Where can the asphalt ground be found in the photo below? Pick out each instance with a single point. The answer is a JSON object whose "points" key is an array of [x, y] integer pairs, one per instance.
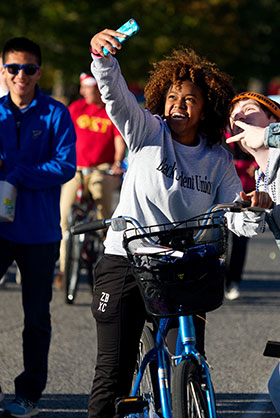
{"points": [[235, 340]]}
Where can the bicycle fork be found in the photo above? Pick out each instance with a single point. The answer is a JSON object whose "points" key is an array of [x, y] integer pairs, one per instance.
{"points": [[186, 345]]}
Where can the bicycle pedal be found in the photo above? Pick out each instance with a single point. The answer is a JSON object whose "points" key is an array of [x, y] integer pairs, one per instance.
{"points": [[130, 404]]}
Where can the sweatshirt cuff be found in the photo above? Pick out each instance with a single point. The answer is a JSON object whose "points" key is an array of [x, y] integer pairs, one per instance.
{"points": [[272, 139], [93, 53], [265, 139]]}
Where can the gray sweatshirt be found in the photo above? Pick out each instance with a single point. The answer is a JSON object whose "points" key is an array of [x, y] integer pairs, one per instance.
{"points": [[272, 136], [166, 181]]}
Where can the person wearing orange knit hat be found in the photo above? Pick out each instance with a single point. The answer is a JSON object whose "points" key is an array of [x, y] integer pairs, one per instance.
{"points": [[258, 136], [250, 114], [254, 122]]}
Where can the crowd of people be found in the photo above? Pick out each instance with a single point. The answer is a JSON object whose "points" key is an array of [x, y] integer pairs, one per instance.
{"points": [[174, 147]]}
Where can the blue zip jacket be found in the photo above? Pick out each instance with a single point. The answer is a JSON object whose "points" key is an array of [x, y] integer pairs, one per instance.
{"points": [[39, 155]]}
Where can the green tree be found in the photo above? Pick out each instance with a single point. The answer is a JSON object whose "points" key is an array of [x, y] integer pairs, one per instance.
{"points": [[241, 36]]}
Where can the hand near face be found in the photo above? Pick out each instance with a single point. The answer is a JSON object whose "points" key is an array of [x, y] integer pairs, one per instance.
{"points": [[252, 137]]}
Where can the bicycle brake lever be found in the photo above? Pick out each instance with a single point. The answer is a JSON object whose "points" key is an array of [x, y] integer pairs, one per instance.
{"points": [[244, 203], [239, 205]]}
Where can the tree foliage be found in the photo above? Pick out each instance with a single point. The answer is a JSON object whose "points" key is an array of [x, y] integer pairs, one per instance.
{"points": [[241, 36]]}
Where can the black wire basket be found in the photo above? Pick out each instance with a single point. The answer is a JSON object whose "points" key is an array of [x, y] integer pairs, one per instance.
{"points": [[189, 278]]}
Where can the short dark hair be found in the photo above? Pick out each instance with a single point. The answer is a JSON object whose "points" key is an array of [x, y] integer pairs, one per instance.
{"points": [[23, 45]]}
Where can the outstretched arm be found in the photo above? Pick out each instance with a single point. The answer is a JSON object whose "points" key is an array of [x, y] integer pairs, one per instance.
{"points": [[121, 105]]}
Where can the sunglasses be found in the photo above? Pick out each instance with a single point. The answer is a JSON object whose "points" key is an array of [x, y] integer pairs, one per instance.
{"points": [[29, 69]]}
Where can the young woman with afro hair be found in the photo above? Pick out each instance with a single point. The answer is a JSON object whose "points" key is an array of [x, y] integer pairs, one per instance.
{"points": [[176, 170]]}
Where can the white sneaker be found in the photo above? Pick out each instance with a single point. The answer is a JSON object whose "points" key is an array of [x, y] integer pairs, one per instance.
{"points": [[232, 292]]}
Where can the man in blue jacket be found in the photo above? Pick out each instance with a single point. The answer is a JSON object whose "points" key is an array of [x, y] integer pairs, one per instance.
{"points": [[37, 155]]}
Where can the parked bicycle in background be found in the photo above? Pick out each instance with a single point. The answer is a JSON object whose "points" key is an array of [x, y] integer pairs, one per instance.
{"points": [[83, 251]]}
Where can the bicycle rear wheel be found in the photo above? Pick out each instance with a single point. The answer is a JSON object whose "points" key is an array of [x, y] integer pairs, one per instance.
{"points": [[149, 388], [72, 266], [92, 250], [188, 397]]}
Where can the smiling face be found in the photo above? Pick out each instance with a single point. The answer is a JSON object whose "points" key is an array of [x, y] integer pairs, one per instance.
{"points": [[183, 111], [249, 111], [21, 86]]}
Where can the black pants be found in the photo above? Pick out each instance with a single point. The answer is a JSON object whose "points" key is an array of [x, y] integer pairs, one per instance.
{"points": [[237, 259], [120, 314], [36, 263]]}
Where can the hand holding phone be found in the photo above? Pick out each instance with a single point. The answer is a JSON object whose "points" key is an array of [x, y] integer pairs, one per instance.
{"points": [[129, 28]]}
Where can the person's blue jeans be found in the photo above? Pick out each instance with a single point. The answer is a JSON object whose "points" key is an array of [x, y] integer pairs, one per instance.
{"points": [[36, 263], [274, 387]]}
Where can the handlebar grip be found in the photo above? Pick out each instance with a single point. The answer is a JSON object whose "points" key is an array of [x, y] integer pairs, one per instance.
{"points": [[89, 226], [245, 203]]}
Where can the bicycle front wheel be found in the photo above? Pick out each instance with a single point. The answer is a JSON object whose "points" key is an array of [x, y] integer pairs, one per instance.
{"points": [[188, 397]]}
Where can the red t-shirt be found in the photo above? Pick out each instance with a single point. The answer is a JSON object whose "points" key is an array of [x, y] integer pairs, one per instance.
{"points": [[95, 134]]}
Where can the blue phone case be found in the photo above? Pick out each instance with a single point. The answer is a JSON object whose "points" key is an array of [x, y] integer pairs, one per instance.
{"points": [[129, 28]]}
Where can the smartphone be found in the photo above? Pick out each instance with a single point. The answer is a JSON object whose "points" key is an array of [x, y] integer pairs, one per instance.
{"points": [[129, 28], [272, 349]]}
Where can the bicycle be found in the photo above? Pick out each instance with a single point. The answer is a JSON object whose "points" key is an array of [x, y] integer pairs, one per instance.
{"points": [[178, 269], [84, 251]]}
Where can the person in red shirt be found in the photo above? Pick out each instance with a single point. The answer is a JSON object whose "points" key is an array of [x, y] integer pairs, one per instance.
{"points": [[99, 144]]}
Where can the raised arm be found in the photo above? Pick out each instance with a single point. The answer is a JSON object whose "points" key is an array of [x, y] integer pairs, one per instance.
{"points": [[136, 125]]}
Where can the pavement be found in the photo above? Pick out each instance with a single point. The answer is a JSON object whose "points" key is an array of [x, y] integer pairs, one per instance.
{"points": [[235, 340]]}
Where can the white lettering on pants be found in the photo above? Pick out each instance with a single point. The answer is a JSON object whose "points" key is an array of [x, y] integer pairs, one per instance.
{"points": [[103, 302]]}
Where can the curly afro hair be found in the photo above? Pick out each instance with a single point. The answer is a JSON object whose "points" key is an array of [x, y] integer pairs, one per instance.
{"points": [[216, 86]]}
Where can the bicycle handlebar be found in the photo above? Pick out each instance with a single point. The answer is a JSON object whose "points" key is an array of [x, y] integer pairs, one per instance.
{"points": [[120, 223], [89, 170], [89, 226]]}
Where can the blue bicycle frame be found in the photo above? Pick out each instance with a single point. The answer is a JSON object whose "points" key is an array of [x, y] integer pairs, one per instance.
{"points": [[185, 350], [186, 346]]}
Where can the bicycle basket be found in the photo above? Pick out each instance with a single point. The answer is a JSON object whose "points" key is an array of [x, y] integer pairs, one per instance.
{"points": [[185, 280]]}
